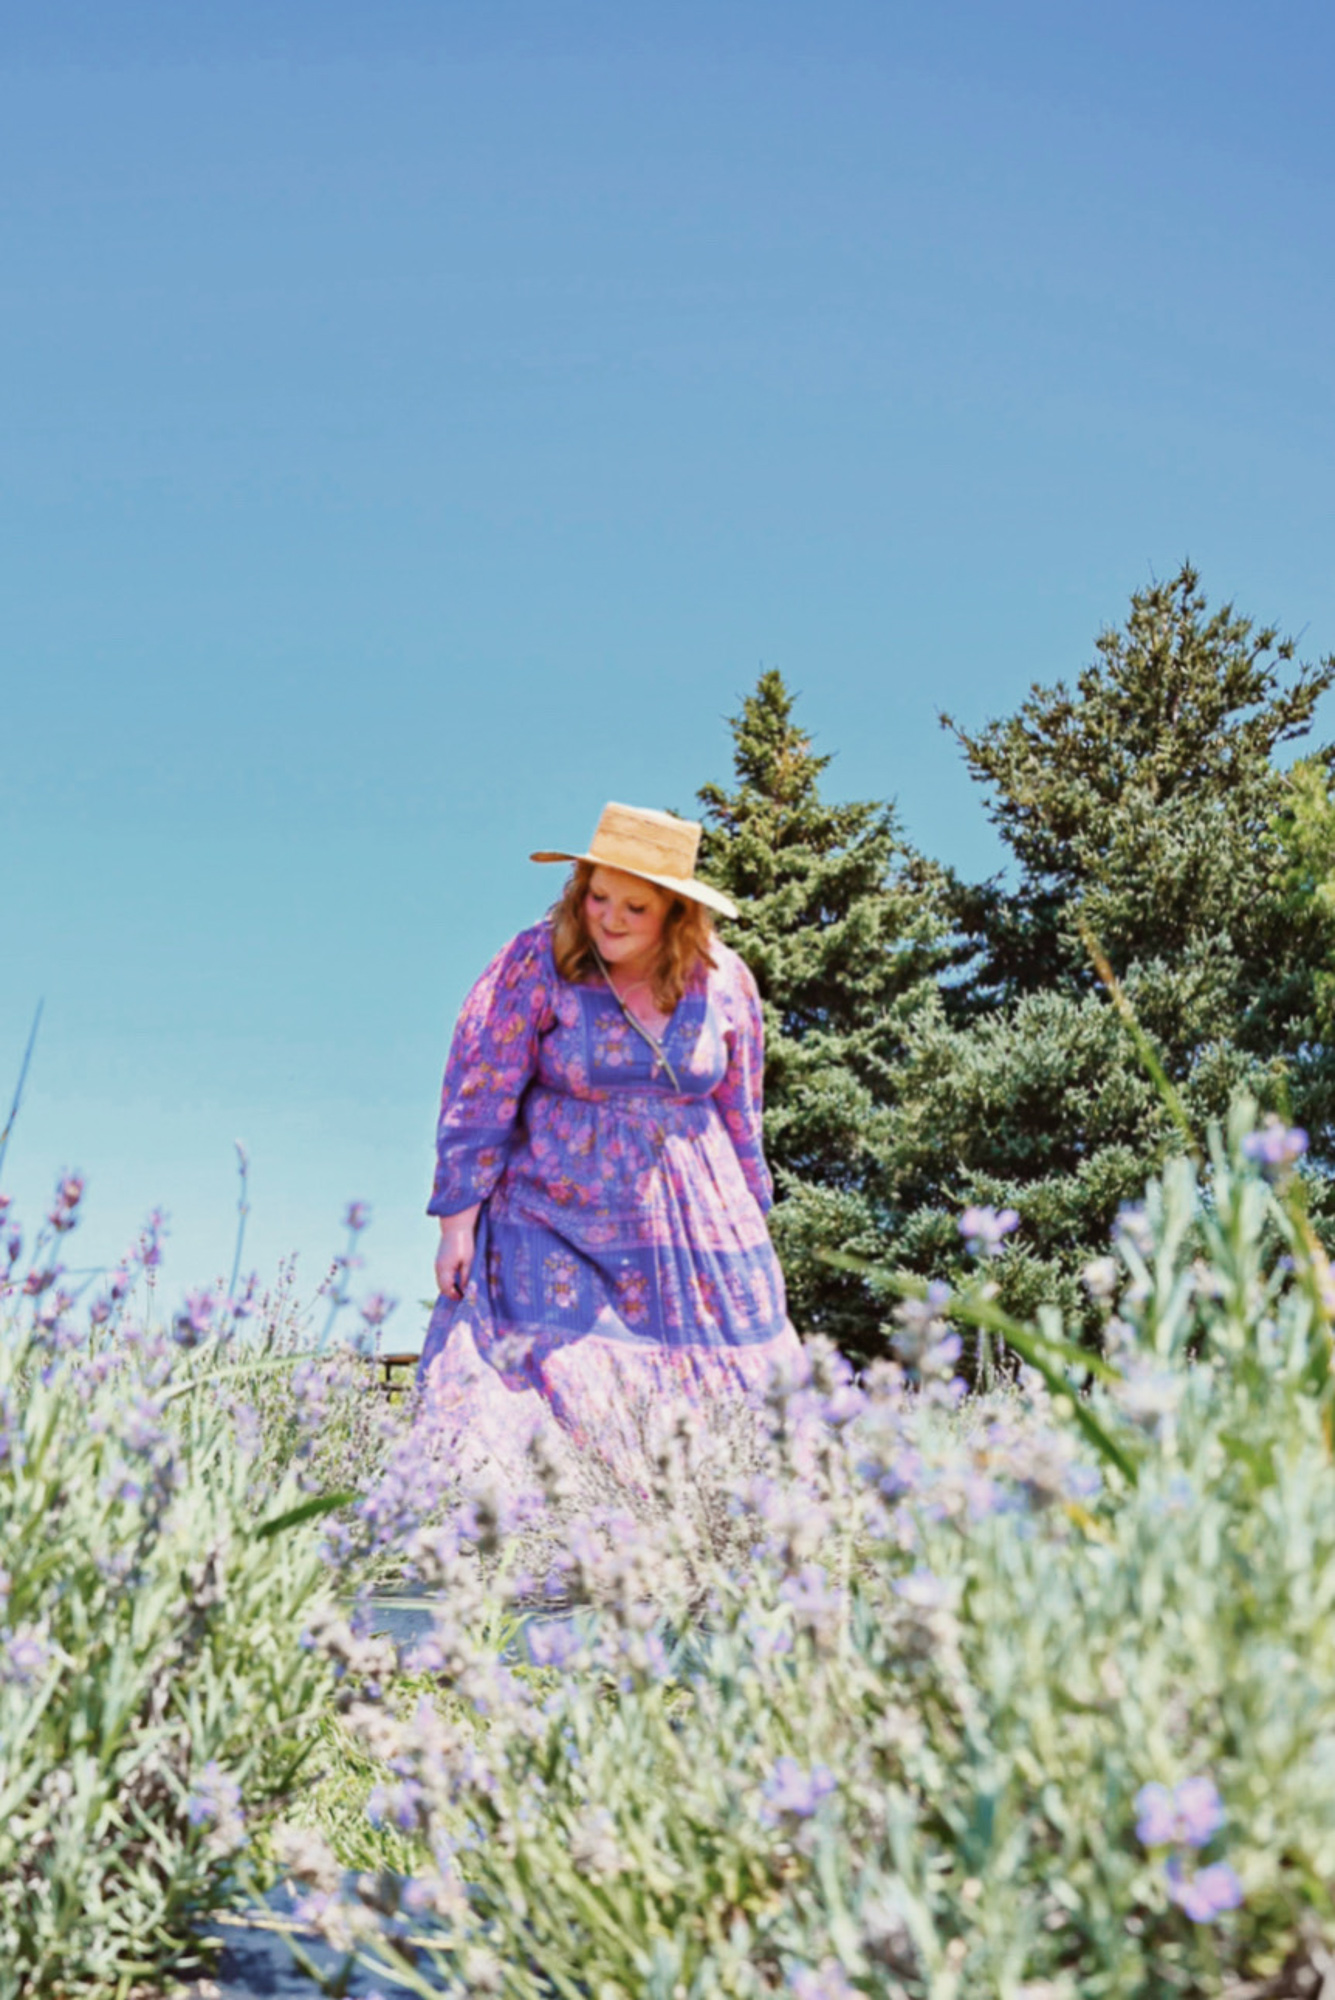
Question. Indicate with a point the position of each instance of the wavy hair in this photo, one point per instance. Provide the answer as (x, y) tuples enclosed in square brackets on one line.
[(687, 940)]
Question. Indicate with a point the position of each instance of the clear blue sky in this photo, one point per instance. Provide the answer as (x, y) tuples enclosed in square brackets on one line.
[(419, 419)]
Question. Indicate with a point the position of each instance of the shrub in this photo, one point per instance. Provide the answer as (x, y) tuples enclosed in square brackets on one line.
[(1034, 1697), (156, 1697)]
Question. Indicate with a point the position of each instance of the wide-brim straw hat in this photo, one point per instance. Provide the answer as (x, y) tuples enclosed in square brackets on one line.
[(656, 846)]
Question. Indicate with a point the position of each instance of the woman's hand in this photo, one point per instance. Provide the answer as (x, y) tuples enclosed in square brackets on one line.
[(454, 1258)]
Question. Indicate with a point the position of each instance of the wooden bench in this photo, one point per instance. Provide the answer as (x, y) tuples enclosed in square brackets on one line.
[(391, 1383)]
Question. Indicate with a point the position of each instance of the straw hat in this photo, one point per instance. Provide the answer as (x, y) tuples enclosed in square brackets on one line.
[(656, 846)]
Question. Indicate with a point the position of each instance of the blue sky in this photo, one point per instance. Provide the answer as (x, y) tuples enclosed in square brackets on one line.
[(418, 423)]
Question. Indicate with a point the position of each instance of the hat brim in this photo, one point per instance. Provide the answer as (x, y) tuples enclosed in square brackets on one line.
[(687, 886)]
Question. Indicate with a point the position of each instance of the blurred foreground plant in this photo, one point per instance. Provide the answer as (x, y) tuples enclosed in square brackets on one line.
[(158, 1570), (1030, 1696)]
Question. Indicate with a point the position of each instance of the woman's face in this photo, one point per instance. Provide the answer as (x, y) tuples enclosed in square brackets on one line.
[(625, 916)]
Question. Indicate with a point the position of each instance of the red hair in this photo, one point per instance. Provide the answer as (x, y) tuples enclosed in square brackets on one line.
[(687, 939)]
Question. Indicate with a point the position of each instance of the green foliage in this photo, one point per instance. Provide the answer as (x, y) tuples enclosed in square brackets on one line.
[(156, 1702), (1140, 803), (1144, 809), (838, 926), (905, 1754), (1305, 829), (1040, 1106), (934, 1043)]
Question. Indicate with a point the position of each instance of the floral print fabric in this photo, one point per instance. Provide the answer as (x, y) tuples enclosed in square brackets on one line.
[(622, 1246)]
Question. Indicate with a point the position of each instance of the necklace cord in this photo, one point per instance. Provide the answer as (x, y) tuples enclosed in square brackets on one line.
[(634, 1021)]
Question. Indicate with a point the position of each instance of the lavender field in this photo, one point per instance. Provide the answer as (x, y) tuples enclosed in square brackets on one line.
[(883, 1687)]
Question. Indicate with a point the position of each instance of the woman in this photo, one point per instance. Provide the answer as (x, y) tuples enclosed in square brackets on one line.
[(600, 1181)]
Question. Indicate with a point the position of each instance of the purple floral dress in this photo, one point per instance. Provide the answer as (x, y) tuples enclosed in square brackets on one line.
[(621, 1249)]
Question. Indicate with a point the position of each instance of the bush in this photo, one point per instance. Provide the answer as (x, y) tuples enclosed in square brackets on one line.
[(1033, 1696), (156, 1699)]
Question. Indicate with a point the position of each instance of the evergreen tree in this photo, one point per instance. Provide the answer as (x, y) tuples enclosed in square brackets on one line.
[(1141, 805), (1305, 829), (839, 924), (1144, 809)]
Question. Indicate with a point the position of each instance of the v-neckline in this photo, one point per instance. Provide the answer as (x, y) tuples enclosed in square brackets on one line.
[(606, 991), (602, 988)]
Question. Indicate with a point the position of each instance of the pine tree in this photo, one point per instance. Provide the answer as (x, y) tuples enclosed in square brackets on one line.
[(1305, 829), (1144, 810), (1141, 804), (840, 926)]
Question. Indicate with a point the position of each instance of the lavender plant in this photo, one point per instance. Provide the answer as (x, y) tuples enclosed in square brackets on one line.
[(158, 1574), (1034, 1697)]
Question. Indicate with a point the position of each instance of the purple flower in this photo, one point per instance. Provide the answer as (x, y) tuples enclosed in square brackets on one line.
[(922, 1590), (149, 1251), (50, 1318), (941, 1356), (141, 1429), (1133, 1226), (915, 1314), (312, 1393), (985, 1229), (922, 1339), (124, 1490), (194, 1322), (1200, 1811), (402, 1804), (27, 1655), (794, 1793), (1156, 1825), (215, 1797), (1276, 1147), (844, 1404), (242, 1304), (1188, 1816), (1207, 1894), (376, 1308), (1083, 1482), (816, 1606), (983, 1496), (552, 1642), (119, 1286), (69, 1193), (428, 1656), (826, 1981), (357, 1216)]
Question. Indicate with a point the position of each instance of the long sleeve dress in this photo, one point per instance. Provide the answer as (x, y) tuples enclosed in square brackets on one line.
[(621, 1250)]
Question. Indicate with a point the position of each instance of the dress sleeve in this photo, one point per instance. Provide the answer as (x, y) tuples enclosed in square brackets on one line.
[(492, 1058), (741, 1093)]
